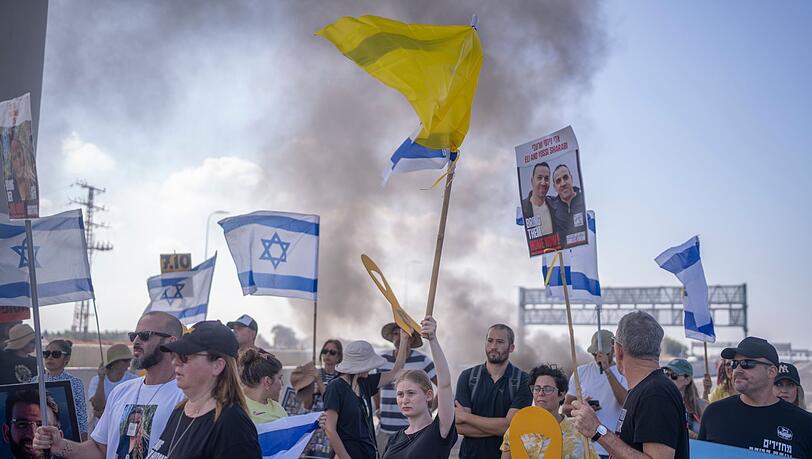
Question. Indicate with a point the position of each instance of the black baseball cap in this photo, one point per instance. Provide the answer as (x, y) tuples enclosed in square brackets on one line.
[(245, 321), (788, 371), (206, 336), (752, 347)]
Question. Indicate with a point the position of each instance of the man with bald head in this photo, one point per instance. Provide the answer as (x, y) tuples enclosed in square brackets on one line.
[(569, 208), (154, 396)]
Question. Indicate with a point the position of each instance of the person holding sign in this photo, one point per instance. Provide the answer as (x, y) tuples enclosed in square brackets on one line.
[(549, 385), (652, 423), (537, 203), (348, 399), (425, 437)]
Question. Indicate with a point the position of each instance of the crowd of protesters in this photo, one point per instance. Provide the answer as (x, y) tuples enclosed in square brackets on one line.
[(204, 389)]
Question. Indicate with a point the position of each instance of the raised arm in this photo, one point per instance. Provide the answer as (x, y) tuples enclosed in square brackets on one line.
[(400, 361), (445, 396), (99, 399)]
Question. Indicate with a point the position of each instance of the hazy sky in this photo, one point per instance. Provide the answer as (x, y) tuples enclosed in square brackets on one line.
[(690, 120)]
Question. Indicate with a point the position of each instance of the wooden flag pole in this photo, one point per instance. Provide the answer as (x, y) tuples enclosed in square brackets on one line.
[(438, 249), (707, 367), (572, 332), (315, 318)]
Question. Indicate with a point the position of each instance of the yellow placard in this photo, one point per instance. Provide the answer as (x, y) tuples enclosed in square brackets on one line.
[(401, 317), (534, 434)]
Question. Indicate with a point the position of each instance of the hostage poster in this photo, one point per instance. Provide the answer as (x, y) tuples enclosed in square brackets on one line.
[(19, 163), (551, 190)]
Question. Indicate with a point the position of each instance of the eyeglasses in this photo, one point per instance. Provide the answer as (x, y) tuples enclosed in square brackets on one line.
[(747, 364), (54, 354), (185, 357), (546, 390), (22, 424), (329, 351), (145, 335)]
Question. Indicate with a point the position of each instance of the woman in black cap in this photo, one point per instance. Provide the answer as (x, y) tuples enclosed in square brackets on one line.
[(213, 421), (788, 385)]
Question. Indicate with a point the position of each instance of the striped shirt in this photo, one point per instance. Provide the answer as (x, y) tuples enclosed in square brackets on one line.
[(391, 419)]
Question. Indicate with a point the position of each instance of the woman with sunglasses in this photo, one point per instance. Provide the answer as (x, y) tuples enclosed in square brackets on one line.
[(681, 373), (212, 421), (348, 399), (549, 387), (788, 385), (55, 358), (724, 381), (261, 376)]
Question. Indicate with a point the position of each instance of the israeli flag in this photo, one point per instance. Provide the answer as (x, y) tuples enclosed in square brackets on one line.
[(519, 216), (683, 260), (580, 270), (276, 253), (286, 438), (411, 156), (184, 294), (60, 258)]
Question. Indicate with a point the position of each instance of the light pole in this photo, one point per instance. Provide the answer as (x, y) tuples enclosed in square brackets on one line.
[(208, 225)]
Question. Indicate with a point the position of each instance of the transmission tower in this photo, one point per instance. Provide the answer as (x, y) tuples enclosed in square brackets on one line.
[(81, 312)]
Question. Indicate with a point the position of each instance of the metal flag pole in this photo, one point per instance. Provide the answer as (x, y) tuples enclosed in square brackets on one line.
[(600, 338), (316, 299), (98, 329), (315, 318), (32, 279), (438, 250)]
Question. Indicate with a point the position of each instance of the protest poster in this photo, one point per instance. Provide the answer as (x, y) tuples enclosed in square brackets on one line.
[(19, 162), (551, 191)]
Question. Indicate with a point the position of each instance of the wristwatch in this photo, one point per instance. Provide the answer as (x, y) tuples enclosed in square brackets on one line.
[(601, 431)]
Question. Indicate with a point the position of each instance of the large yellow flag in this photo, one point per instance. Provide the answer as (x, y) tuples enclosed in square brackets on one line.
[(435, 67)]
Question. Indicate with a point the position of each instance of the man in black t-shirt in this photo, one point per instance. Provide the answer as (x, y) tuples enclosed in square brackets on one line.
[(652, 422), (488, 395), (756, 419)]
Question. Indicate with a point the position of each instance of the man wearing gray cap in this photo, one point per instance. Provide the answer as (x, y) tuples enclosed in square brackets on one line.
[(756, 419), (601, 383), (245, 329)]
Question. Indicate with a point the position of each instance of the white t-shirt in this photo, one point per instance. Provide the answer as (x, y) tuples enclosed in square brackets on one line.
[(108, 385), (596, 385), (135, 417)]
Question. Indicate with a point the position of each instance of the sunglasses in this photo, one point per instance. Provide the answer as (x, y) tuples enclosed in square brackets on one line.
[(329, 351), (747, 364), (145, 335), (184, 358), (54, 354), (546, 390), (671, 374)]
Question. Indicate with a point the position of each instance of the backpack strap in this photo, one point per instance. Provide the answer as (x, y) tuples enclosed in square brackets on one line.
[(515, 381), (473, 380)]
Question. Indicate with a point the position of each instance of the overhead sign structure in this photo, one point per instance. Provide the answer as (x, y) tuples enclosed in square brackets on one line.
[(175, 262), (19, 161), (551, 191)]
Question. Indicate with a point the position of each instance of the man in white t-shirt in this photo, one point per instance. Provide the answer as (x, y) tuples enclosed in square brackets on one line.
[(601, 382), (137, 410)]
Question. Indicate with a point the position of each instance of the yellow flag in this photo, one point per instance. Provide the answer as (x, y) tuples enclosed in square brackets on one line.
[(435, 67)]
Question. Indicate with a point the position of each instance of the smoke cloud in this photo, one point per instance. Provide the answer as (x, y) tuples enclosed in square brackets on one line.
[(323, 130)]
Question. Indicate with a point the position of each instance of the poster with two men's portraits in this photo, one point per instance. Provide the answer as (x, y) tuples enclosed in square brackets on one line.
[(551, 191)]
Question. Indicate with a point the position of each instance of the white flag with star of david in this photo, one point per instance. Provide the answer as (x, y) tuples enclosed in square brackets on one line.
[(276, 253), (60, 258), (184, 294)]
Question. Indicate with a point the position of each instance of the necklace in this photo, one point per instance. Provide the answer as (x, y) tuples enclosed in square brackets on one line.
[(144, 383), (172, 445)]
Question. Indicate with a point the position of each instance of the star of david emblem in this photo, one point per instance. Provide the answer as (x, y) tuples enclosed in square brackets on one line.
[(177, 295), (22, 251), (268, 244)]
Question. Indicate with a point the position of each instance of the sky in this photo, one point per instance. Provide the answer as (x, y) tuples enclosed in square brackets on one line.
[(690, 120)]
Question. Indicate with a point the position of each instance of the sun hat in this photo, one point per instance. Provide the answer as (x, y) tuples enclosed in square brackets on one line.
[(206, 336), (359, 357), (607, 338), (118, 352), (19, 336), (391, 328), (680, 367)]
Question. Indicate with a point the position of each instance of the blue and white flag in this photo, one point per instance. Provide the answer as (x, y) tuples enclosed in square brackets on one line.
[(276, 253), (580, 270), (60, 258), (519, 216), (684, 261), (411, 156), (184, 294), (287, 437)]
